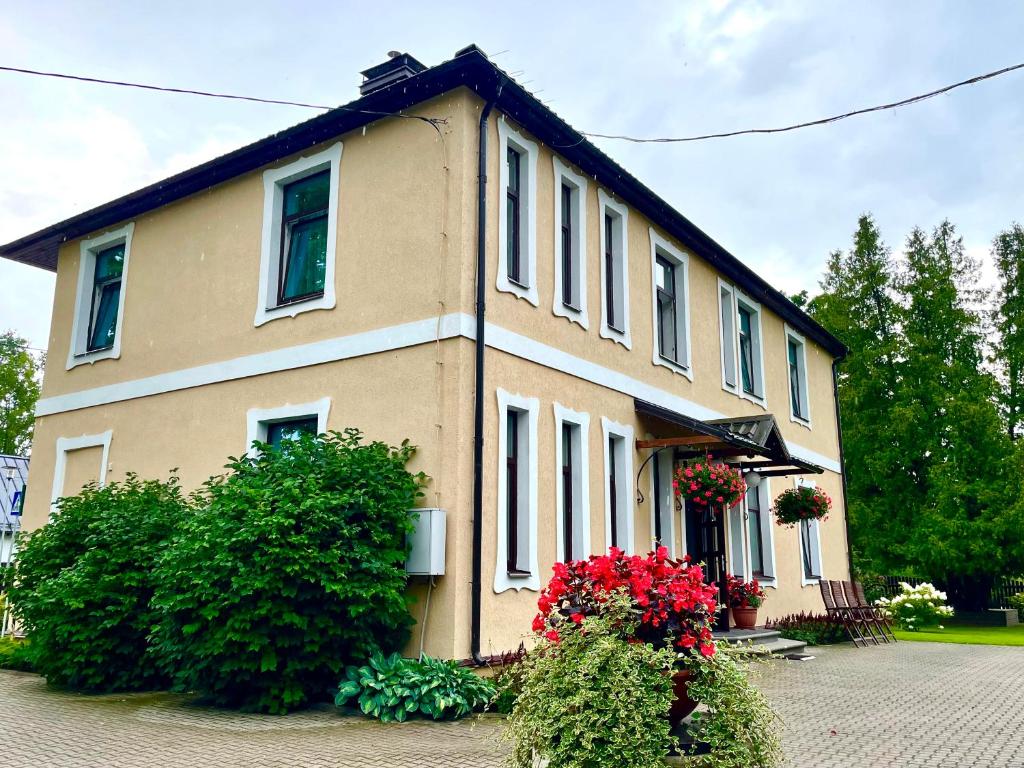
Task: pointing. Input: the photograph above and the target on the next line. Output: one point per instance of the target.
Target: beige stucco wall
(405, 252)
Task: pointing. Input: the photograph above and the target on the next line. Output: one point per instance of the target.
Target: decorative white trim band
(386, 340)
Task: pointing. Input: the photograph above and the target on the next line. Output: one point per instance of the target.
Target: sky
(780, 203)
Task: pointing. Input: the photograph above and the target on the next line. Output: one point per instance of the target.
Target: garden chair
(843, 614)
(856, 619)
(883, 623)
(864, 612)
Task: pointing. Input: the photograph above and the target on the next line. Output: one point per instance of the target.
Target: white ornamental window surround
(572, 473)
(614, 261)
(670, 306)
(516, 564)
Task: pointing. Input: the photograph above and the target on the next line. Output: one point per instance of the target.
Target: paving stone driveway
(908, 705)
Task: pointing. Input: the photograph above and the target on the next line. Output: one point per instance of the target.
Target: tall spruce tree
(1008, 319)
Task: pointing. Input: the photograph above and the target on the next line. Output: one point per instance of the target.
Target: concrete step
(747, 635)
(766, 642)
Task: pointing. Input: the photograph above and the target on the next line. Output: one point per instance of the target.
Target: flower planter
(682, 704)
(744, 618)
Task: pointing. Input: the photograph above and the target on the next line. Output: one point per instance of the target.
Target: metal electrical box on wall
(426, 543)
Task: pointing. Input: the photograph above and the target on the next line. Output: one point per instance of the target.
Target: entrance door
(705, 542)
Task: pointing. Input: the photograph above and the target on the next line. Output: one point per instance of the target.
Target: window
(99, 301)
(618, 465)
(304, 239)
(276, 426)
(614, 274)
(670, 306)
(810, 545)
(517, 226)
(281, 432)
(516, 566)
(754, 527)
(742, 356)
(727, 317)
(570, 244)
(300, 232)
(573, 492)
(663, 505)
(796, 366)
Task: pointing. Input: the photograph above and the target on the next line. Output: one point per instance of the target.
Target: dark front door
(705, 543)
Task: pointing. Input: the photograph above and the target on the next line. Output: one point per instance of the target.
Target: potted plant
(707, 484)
(794, 505)
(745, 597)
(672, 606)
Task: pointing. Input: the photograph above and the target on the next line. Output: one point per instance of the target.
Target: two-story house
(444, 259)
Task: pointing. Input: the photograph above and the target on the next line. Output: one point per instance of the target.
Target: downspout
(842, 465)
(478, 404)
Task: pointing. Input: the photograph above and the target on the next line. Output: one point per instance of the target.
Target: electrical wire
(822, 121)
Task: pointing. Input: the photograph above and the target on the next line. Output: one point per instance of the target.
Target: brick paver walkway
(908, 705)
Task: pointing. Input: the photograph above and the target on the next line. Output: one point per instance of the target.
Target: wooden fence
(1003, 590)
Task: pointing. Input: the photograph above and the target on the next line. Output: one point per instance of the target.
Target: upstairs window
(669, 288)
(300, 232)
(517, 222)
(746, 350)
(106, 298)
(100, 297)
(727, 326)
(749, 349)
(304, 239)
(796, 367)
(570, 244)
(614, 273)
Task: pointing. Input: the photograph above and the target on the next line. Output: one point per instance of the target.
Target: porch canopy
(749, 442)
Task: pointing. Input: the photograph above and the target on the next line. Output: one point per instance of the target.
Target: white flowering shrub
(916, 607)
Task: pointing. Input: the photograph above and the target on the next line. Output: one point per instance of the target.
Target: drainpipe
(478, 404)
(842, 465)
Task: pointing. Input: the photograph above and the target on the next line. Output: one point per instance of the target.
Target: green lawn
(967, 635)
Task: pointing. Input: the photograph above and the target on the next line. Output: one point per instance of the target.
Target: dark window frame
(664, 297)
(611, 279)
(754, 530)
(806, 551)
(513, 217)
(796, 398)
(567, 248)
(287, 224)
(746, 350)
(300, 422)
(99, 287)
(613, 495)
(568, 508)
(513, 420)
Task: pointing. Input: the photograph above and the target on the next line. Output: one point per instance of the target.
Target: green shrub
(593, 699)
(810, 628)
(14, 654)
(83, 584)
(1017, 601)
(393, 689)
(292, 570)
(737, 722)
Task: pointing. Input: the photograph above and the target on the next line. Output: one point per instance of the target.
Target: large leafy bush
(14, 654)
(292, 570)
(83, 584)
(594, 698)
(393, 688)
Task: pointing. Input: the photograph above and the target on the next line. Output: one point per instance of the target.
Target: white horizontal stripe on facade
(388, 339)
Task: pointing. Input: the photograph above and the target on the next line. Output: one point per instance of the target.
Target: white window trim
(274, 181)
(77, 354)
(565, 415)
(502, 580)
(816, 554)
(805, 385)
(67, 444)
(759, 378)
(730, 334)
(623, 337)
(258, 419)
(661, 246)
(764, 492)
(668, 501)
(563, 172)
(626, 494)
(528, 199)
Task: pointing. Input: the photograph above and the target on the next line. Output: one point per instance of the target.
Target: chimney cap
(399, 66)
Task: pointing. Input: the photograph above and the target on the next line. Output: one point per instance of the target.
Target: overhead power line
(621, 137)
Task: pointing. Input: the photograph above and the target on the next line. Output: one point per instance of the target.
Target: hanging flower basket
(709, 485)
(803, 503)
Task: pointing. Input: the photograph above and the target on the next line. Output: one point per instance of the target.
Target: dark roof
(761, 430)
(472, 69)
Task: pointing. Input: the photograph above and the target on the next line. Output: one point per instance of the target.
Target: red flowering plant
(672, 603)
(745, 594)
(802, 503)
(706, 483)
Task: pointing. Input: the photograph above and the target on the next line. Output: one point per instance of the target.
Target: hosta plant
(709, 484)
(916, 607)
(794, 505)
(670, 603)
(392, 689)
